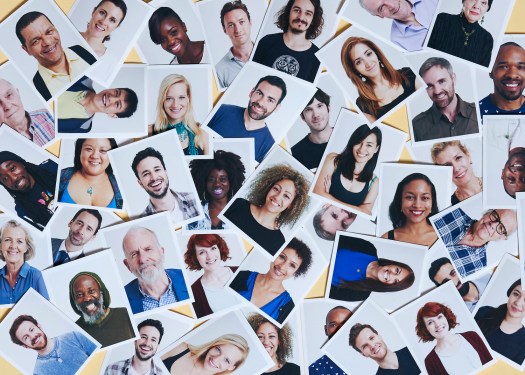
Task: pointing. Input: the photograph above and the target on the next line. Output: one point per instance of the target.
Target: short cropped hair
(132, 102)
(205, 240)
(303, 252)
(152, 323)
(355, 331)
(274, 81)
(233, 5)
(435, 266)
(93, 212)
(146, 153)
(322, 97)
(16, 324)
(25, 21)
(435, 61)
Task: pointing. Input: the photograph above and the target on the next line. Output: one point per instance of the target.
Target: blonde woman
(175, 111)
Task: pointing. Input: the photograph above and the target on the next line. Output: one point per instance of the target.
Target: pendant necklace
(467, 35)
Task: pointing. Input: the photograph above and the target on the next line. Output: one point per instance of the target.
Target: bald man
(37, 125)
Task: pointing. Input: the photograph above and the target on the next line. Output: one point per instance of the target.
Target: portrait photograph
(243, 147)
(364, 266)
(25, 110)
(86, 177)
(347, 59)
(520, 202)
(146, 184)
(500, 314)
(117, 111)
(47, 71)
(503, 150)
(230, 35)
(271, 100)
(469, 31)
(367, 337)
(391, 25)
(40, 339)
(29, 175)
(154, 44)
(272, 203)
(476, 238)
(111, 28)
(465, 157)
(409, 194)
(173, 326)
(149, 259)
(230, 335)
(356, 149)
(447, 108)
(180, 100)
(211, 259)
(90, 292)
(442, 315)
(293, 272)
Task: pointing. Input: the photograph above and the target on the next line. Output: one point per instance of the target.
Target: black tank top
(338, 191)
(168, 362)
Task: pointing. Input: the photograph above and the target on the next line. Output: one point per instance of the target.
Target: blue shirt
(325, 366)
(350, 266)
(28, 277)
(411, 37)
(70, 352)
(486, 107)
(228, 122)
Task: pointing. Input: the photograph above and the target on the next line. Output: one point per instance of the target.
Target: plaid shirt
(41, 127)
(122, 368)
(167, 298)
(452, 228)
(185, 201)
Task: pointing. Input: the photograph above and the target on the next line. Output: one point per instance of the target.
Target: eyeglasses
(500, 228)
(516, 167)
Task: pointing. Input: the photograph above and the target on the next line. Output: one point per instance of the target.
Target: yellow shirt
(69, 105)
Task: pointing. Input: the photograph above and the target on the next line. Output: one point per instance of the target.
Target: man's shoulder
(173, 272)
(271, 38)
(118, 367)
(422, 118)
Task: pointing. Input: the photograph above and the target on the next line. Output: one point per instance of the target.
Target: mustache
(300, 21)
(93, 301)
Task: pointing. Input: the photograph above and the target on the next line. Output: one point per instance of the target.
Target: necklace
(467, 35)
(90, 191)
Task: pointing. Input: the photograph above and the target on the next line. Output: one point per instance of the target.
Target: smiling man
(449, 116)
(62, 354)
(231, 121)
(57, 67)
(150, 170)
(410, 19)
(330, 219)
(292, 51)
(79, 103)
(83, 228)
(151, 332)
(154, 286)
(365, 340)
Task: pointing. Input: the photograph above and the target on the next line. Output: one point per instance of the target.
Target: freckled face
(437, 326)
(209, 258)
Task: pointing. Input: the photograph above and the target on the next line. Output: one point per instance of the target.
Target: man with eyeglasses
(466, 239)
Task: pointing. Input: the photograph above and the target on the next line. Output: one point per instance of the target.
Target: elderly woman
(220, 356)
(276, 197)
(91, 181)
(208, 252)
(175, 111)
(167, 29)
(266, 290)
(217, 180)
(457, 155)
(414, 202)
(17, 276)
(278, 344)
(461, 35)
(454, 353)
(358, 272)
(380, 86)
(503, 325)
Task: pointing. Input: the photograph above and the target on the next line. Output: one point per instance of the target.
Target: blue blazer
(135, 297)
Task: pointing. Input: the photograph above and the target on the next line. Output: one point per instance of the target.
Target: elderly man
(449, 116)
(31, 186)
(236, 23)
(335, 318)
(410, 19)
(37, 125)
(57, 67)
(329, 219)
(83, 228)
(365, 340)
(151, 332)
(154, 286)
(292, 51)
(63, 354)
(90, 299)
(467, 239)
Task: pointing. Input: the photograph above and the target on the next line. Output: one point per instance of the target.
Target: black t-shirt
(287, 369)
(308, 153)
(271, 51)
(407, 365)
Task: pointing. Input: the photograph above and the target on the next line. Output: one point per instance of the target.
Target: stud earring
(381, 64)
(363, 78)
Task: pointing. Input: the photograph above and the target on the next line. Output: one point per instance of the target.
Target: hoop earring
(204, 196)
(482, 19)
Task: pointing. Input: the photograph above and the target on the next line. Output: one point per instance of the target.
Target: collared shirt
(487, 107)
(206, 223)
(432, 124)
(57, 81)
(185, 202)
(228, 68)
(411, 37)
(480, 284)
(41, 126)
(63, 256)
(452, 228)
(124, 367)
(28, 277)
(168, 297)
